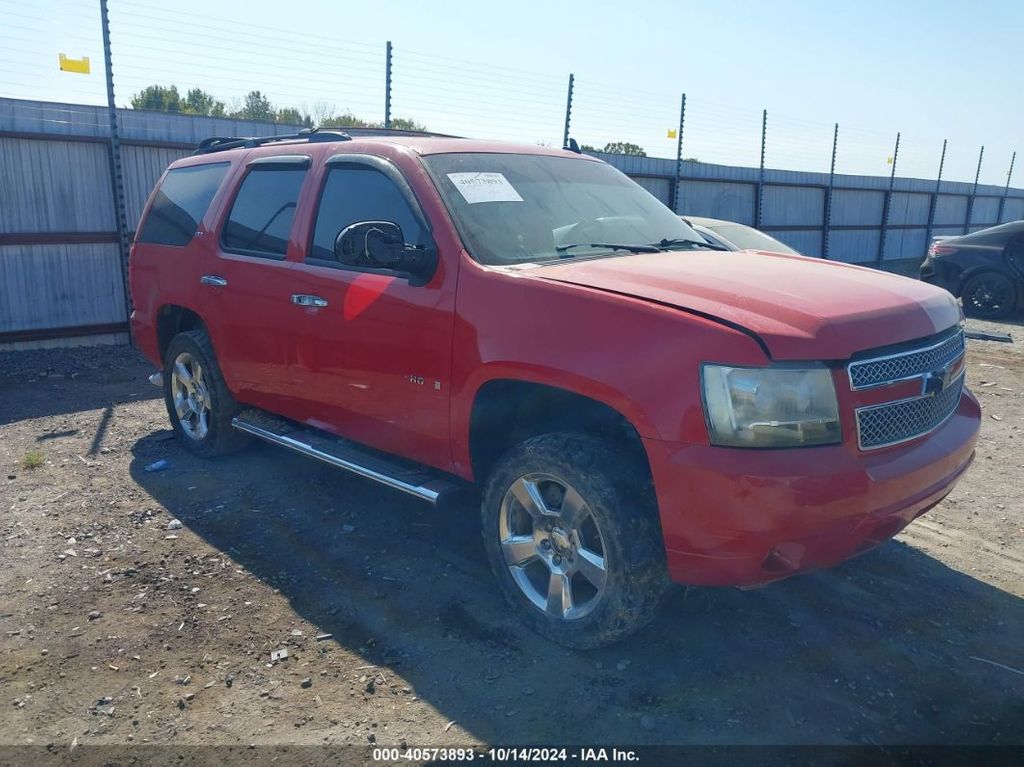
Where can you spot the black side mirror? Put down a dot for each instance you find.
(381, 245)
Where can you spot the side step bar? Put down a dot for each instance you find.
(422, 483)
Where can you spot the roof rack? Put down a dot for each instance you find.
(310, 135)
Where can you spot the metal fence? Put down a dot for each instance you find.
(76, 170)
(62, 262)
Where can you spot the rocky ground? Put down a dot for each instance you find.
(156, 607)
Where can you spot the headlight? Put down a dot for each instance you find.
(770, 407)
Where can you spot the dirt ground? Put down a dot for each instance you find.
(118, 627)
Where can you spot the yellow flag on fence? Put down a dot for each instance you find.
(81, 66)
(672, 133)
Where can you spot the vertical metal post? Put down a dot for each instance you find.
(1006, 191)
(679, 153)
(568, 112)
(827, 218)
(974, 192)
(759, 200)
(116, 174)
(387, 87)
(887, 206)
(933, 205)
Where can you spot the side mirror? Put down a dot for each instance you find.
(381, 245)
(370, 243)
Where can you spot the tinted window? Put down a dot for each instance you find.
(180, 203)
(357, 193)
(261, 217)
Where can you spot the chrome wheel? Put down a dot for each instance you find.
(190, 396)
(552, 546)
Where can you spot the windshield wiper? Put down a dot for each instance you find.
(685, 241)
(610, 246)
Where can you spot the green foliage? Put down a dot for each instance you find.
(624, 147)
(199, 102)
(346, 120)
(404, 123)
(256, 106)
(158, 97)
(292, 116)
(33, 460)
(616, 147)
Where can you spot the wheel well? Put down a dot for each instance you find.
(172, 320)
(506, 413)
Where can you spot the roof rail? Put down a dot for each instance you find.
(310, 135)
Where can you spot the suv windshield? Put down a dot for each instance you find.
(522, 208)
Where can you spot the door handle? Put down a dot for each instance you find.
(304, 300)
(214, 280)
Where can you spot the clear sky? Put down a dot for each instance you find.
(932, 69)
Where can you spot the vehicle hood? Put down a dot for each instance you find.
(801, 308)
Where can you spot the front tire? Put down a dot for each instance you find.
(198, 402)
(989, 295)
(571, 532)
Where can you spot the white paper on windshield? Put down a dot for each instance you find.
(484, 187)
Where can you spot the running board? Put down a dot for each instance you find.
(420, 482)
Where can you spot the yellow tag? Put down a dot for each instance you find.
(671, 133)
(888, 160)
(81, 66)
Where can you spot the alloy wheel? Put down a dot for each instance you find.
(552, 546)
(990, 294)
(191, 396)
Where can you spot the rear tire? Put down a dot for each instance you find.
(199, 404)
(989, 295)
(572, 514)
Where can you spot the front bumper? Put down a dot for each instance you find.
(943, 273)
(740, 517)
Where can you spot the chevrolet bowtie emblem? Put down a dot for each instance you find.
(937, 381)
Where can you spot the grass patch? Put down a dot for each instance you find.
(33, 460)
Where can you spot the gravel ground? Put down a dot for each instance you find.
(144, 607)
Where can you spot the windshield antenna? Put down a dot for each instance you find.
(572, 146)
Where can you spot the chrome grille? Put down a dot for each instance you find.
(879, 371)
(893, 422)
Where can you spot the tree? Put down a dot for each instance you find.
(624, 147)
(346, 120)
(255, 107)
(405, 123)
(158, 97)
(292, 116)
(199, 102)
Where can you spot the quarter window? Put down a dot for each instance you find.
(180, 204)
(356, 193)
(261, 217)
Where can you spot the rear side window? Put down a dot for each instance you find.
(261, 218)
(353, 194)
(180, 204)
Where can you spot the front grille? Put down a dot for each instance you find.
(892, 422)
(897, 367)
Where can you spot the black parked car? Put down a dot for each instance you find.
(984, 268)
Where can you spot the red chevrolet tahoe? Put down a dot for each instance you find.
(635, 407)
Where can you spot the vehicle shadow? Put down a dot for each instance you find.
(59, 394)
(892, 648)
